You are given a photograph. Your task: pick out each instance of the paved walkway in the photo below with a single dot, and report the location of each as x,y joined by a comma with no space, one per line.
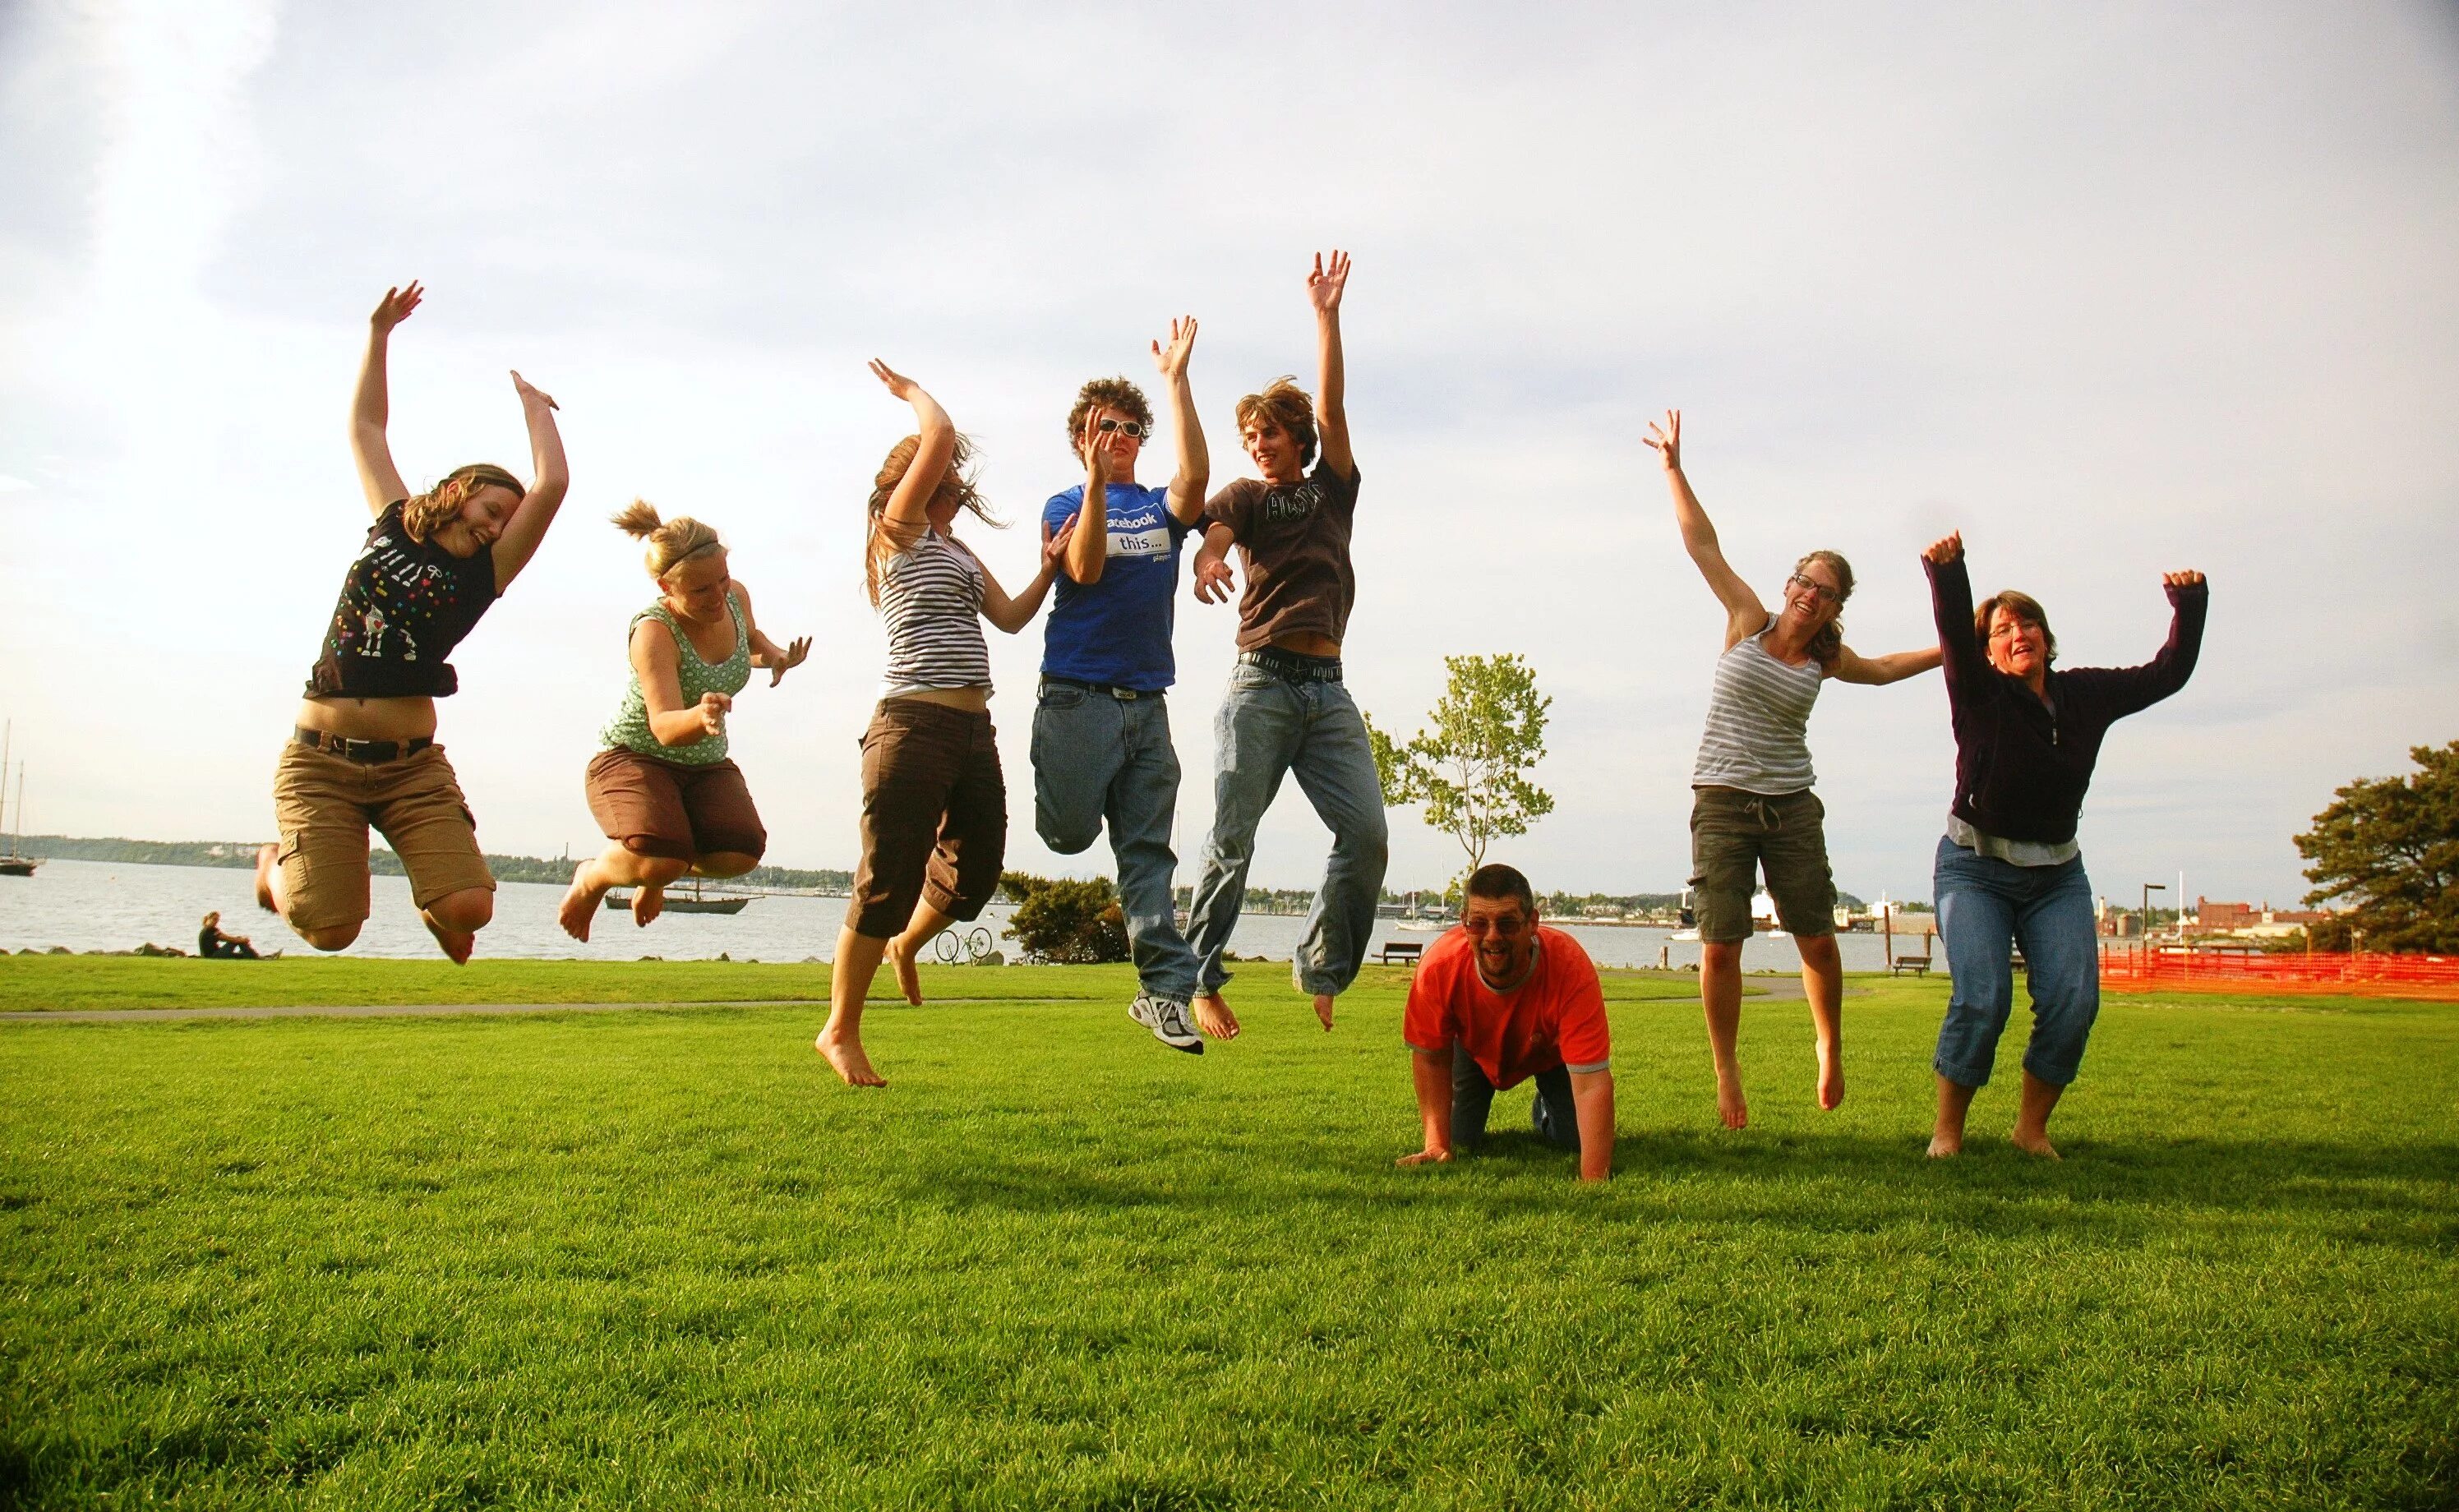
451,1010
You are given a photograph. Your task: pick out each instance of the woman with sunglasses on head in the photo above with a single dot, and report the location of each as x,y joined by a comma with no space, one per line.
934,800
664,790
1753,808
365,752
2010,874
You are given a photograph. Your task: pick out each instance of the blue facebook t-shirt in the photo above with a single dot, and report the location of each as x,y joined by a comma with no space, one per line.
1116,632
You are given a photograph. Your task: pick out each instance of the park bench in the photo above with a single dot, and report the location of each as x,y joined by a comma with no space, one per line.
1403,952
1913,965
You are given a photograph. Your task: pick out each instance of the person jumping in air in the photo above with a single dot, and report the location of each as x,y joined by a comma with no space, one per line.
934,800
2010,874
1752,809
1286,709
665,791
1102,745
364,752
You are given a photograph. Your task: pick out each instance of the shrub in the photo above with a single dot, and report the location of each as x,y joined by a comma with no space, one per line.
1065,923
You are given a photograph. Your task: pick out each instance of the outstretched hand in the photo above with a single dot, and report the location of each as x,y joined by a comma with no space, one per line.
902,386
1171,360
796,650
1214,583
2188,579
1666,439
1324,285
1941,552
530,393
396,306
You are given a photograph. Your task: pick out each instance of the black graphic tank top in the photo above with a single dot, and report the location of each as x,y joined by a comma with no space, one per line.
405,606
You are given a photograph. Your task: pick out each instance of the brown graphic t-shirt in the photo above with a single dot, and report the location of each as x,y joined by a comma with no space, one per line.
1293,542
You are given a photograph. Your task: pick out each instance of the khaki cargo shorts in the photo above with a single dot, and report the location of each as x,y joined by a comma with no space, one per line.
324,805
1733,836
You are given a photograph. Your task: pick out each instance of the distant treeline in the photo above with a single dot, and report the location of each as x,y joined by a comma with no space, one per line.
241,856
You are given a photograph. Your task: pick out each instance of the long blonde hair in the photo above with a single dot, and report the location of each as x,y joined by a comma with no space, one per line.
671,542
955,487
427,513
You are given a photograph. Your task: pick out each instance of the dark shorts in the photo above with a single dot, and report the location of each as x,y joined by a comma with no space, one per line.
933,815
1733,836
673,810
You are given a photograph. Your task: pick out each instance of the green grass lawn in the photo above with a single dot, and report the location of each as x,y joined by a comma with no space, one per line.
662,1259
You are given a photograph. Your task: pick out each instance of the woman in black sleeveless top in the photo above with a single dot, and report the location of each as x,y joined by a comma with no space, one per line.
364,752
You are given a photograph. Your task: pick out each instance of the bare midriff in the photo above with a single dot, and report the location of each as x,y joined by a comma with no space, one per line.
369,719
971,699
1309,643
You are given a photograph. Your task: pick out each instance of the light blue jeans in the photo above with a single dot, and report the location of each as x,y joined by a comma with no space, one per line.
1269,727
1986,907
1098,758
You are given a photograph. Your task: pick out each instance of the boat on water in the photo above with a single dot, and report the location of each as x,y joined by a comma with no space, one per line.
691,902
13,864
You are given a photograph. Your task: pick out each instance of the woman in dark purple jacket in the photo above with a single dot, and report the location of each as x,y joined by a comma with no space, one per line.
2008,870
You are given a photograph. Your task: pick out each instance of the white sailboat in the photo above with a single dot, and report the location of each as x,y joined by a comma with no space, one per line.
13,864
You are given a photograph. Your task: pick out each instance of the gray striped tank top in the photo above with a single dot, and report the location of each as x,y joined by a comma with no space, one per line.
1757,721
931,601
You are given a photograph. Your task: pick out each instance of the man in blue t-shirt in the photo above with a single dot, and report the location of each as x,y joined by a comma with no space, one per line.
1100,726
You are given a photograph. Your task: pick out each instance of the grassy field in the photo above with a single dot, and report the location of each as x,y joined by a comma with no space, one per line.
661,1258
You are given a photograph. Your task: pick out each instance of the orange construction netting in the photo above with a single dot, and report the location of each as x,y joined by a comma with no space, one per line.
2358,973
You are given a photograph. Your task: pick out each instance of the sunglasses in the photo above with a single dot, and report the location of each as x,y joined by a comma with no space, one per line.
1130,427
1826,595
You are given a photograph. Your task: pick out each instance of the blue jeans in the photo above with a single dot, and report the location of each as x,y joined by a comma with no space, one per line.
1554,1115
1100,758
1986,907
1269,727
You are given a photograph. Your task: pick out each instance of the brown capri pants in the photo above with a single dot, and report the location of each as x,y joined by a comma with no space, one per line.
672,810
325,804
933,815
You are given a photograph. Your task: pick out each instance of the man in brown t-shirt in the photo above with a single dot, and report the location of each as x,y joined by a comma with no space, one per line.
1287,710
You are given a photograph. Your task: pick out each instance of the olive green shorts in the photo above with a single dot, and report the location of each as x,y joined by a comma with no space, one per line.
1735,835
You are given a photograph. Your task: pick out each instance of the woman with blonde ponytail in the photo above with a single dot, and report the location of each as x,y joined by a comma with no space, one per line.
666,792
363,751
1753,809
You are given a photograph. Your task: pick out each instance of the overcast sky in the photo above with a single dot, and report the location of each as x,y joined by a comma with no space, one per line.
2115,289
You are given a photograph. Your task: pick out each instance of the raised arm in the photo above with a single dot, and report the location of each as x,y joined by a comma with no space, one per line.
1324,288
1012,613
1880,671
1194,462
1950,601
2139,687
908,508
1088,552
659,667
765,652
372,405
547,480
1744,612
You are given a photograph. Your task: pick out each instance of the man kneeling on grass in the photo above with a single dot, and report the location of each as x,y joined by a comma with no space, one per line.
1499,1000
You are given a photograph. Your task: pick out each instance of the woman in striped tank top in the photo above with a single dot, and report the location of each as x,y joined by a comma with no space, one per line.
934,800
1753,808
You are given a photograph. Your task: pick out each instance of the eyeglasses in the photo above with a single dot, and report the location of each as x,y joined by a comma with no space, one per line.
1130,427
2010,626
1826,595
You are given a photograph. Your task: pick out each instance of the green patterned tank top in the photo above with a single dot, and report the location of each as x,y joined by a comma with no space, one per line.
629,730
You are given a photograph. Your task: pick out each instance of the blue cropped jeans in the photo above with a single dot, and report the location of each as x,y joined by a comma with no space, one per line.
1270,727
1986,907
1098,758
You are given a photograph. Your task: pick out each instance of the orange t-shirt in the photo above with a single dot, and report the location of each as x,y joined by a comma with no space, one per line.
1557,1018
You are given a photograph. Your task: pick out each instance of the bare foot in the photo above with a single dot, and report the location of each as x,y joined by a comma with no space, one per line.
579,905
1831,1078
265,858
1731,1105
1323,1010
647,903
909,978
1942,1144
458,943
846,1057
1213,1017
2034,1142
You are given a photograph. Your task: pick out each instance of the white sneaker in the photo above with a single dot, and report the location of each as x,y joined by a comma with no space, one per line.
1167,1019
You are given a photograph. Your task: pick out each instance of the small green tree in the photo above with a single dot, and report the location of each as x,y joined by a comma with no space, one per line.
1065,923
2390,846
1470,771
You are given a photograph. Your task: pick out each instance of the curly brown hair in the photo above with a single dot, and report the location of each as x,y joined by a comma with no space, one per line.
1285,404
955,487
424,514
1107,393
